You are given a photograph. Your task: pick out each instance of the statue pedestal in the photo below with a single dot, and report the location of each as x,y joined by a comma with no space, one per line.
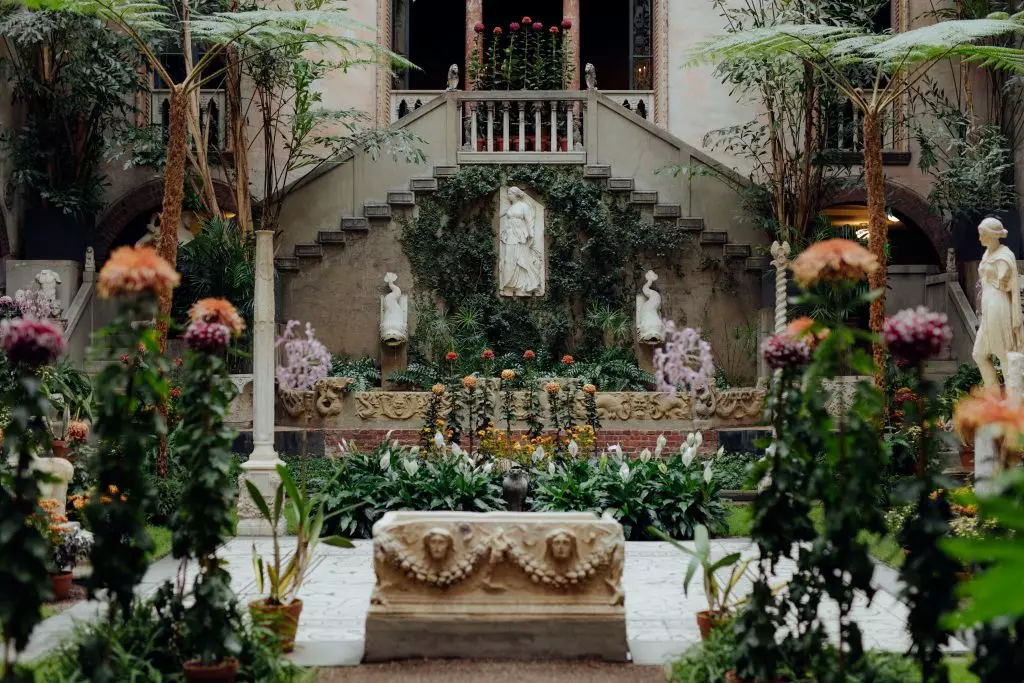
497,585
1014,374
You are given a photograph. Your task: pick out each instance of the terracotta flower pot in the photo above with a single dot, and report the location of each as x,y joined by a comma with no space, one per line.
60,448
706,622
281,620
967,456
61,584
224,672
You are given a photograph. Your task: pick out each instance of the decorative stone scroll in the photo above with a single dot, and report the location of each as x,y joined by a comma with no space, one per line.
497,585
739,404
390,405
643,406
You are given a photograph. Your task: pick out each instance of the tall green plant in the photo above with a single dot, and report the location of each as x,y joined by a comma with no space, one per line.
218,262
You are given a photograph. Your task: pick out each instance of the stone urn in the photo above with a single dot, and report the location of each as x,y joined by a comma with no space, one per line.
514,487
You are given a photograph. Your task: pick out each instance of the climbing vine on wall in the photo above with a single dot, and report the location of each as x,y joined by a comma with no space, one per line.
597,247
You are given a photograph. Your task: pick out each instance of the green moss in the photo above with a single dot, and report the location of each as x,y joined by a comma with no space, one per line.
161,541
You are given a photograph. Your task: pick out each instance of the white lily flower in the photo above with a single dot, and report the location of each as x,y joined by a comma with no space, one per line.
456,450
663,468
660,446
616,450
708,473
415,450
720,452
624,472
385,460
387,437
645,455
689,439
395,445
344,445
438,440
574,448
411,467
770,451
698,439
538,454
488,466
551,467
688,454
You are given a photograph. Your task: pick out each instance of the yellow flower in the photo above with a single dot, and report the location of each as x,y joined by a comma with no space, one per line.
589,389
438,389
135,270
469,382
112,490
218,311
508,375
832,260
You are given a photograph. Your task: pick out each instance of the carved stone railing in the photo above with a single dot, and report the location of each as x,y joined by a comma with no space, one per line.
522,126
640,102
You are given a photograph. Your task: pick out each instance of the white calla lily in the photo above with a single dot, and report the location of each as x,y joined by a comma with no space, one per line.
624,472
688,453
720,452
456,450
645,455
387,437
660,445
698,439
551,467
415,450
689,439
438,440
574,448
385,460
412,466
708,474
663,468
538,454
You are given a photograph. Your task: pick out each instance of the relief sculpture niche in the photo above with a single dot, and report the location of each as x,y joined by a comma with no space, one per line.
521,257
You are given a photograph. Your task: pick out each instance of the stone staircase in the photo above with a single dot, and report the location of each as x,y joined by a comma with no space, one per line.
374,211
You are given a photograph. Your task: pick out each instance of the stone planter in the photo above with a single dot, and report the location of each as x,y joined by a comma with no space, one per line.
281,620
61,585
223,672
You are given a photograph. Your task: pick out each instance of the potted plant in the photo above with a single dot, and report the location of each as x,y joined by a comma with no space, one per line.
280,582
717,591
68,546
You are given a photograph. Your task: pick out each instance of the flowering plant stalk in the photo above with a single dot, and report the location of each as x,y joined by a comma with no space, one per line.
433,420
203,521
590,406
24,582
508,401
532,408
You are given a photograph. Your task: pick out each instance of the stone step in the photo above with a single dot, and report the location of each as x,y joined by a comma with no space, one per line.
643,197
423,184
355,223
940,370
335,238
597,171
714,237
309,250
757,264
286,264
445,171
690,224
621,184
377,210
736,251
401,198
668,210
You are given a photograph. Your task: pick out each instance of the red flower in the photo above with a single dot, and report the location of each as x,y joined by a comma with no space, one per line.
916,334
529,354
553,30
566,24
178,361
487,354
538,27
207,337
175,392
451,356
527,20
497,30
568,360
479,27
31,342
514,26
126,359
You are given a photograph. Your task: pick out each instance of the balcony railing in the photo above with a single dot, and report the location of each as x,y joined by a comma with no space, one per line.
522,126
405,102
212,108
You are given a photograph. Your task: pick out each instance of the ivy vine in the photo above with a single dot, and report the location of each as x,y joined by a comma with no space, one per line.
597,246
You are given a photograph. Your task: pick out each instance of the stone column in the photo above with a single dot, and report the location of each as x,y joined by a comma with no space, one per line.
780,259
1014,375
474,16
571,11
261,468
986,458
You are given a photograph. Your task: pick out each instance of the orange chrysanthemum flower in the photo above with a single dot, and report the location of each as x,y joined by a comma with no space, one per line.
589,389
469,382
218,311
801,330
508,375
135,270
438,389
989,407
552,387
831,260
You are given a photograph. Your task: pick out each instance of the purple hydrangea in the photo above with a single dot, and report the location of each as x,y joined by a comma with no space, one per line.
783,352
916,334
8,309
684,361
208,337
308,359
31,342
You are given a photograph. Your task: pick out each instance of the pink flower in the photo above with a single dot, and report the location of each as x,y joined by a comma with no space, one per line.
8,309
537,26
916,334
568,360
514,26
497,30
529,354
527,21
566,24
308,359
487,354
553,30
479,27
207,337
785,351
175,392
451,356
31,342
685,361
126,359
78,430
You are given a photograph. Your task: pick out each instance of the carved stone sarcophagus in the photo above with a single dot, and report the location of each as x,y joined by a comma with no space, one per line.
497,585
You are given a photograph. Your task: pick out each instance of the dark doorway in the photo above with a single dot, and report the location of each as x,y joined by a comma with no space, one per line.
431,35
604,42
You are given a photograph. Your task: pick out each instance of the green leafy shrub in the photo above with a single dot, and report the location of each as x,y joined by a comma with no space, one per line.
734,470
707,662
363,372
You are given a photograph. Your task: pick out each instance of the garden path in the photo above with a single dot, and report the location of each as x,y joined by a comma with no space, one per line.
660,617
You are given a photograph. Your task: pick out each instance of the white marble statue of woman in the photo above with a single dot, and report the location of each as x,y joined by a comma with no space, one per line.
649,327
1000,330
394,314
520,269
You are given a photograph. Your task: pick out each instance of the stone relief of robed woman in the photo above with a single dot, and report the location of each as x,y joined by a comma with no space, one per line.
521,251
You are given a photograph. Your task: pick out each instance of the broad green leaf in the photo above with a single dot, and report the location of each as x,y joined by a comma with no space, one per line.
337,542
257,499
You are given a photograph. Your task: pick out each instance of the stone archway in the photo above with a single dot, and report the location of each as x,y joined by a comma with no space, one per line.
144,199
906,202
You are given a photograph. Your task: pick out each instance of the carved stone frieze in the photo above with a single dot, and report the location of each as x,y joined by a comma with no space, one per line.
329,394
298,404
740,404
390,405
626,406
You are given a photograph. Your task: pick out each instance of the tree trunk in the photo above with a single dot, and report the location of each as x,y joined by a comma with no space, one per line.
878,230
170,220
239,142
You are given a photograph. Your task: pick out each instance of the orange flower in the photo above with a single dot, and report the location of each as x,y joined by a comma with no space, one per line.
989,407
568,360
469,382
438,389
801,329
78,430
508,375
219,311
135,270
832,260
552,387
589,389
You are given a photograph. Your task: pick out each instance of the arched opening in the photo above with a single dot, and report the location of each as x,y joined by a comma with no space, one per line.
908,244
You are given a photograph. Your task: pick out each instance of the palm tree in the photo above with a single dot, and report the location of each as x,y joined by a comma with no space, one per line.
148,23
897,62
